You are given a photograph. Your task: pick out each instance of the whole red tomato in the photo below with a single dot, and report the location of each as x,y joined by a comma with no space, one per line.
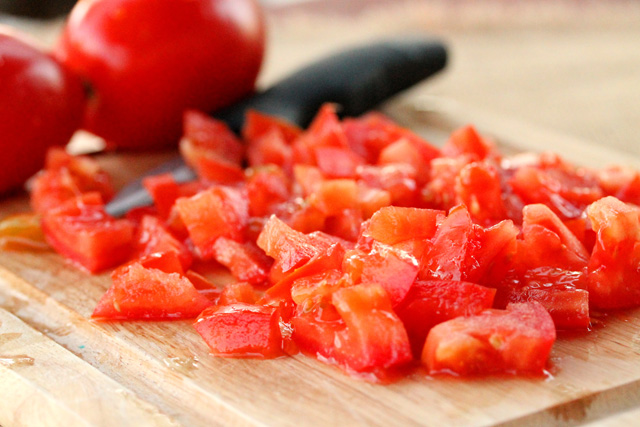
149,60
41,105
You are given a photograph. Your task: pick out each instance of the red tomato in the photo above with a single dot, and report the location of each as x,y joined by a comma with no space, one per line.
245,260
393,269
66,177
152,237
147,61
139,292
613,267
516,340
241,330
432,302
216,212
361,334
41,106
236,292
82,231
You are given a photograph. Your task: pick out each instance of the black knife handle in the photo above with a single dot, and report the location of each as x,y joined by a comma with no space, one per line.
357,80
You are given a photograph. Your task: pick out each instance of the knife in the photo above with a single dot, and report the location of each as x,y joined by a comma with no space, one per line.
356,79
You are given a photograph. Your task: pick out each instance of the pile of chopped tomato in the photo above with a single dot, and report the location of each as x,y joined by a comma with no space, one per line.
359,243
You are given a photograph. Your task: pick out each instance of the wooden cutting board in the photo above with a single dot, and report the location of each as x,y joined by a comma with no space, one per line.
57,367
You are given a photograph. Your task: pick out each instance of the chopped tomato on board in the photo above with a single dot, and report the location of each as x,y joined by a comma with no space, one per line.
84,233
241,330
614,277
359,243
147,292
515,340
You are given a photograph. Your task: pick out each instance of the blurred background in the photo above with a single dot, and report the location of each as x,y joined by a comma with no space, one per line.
569,66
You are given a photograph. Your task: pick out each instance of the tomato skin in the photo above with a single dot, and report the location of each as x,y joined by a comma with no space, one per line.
147,61
41,106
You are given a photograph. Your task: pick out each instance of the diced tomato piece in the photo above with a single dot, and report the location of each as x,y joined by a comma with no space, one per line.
494,249
337,162
375,337
404,151
400,180
371,133
287,246
324,131
448,258
257,125
516,340
83,232
163,261
140,293
562,292
217,212
315,334
66,177
152,236
548,242
466,141
614,276
241,330
370,200
236,292
164,191
205,136
478,186
267,187
395,224
219,171
246,261
440,190
393,269
270,148
310,291
335,195
328,259
621,182
429,303
308,177
562,187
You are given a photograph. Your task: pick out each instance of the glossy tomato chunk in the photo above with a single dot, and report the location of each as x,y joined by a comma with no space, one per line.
432,302
516,340
245,260
375,337
395,224
83,232
146,293
241,330
152,236
359,332
217,212
614,278
66,177
393,269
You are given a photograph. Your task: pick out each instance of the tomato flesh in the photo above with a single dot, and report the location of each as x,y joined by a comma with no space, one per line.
516,340
241,330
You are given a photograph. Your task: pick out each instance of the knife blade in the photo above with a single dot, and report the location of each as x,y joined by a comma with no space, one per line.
357,80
